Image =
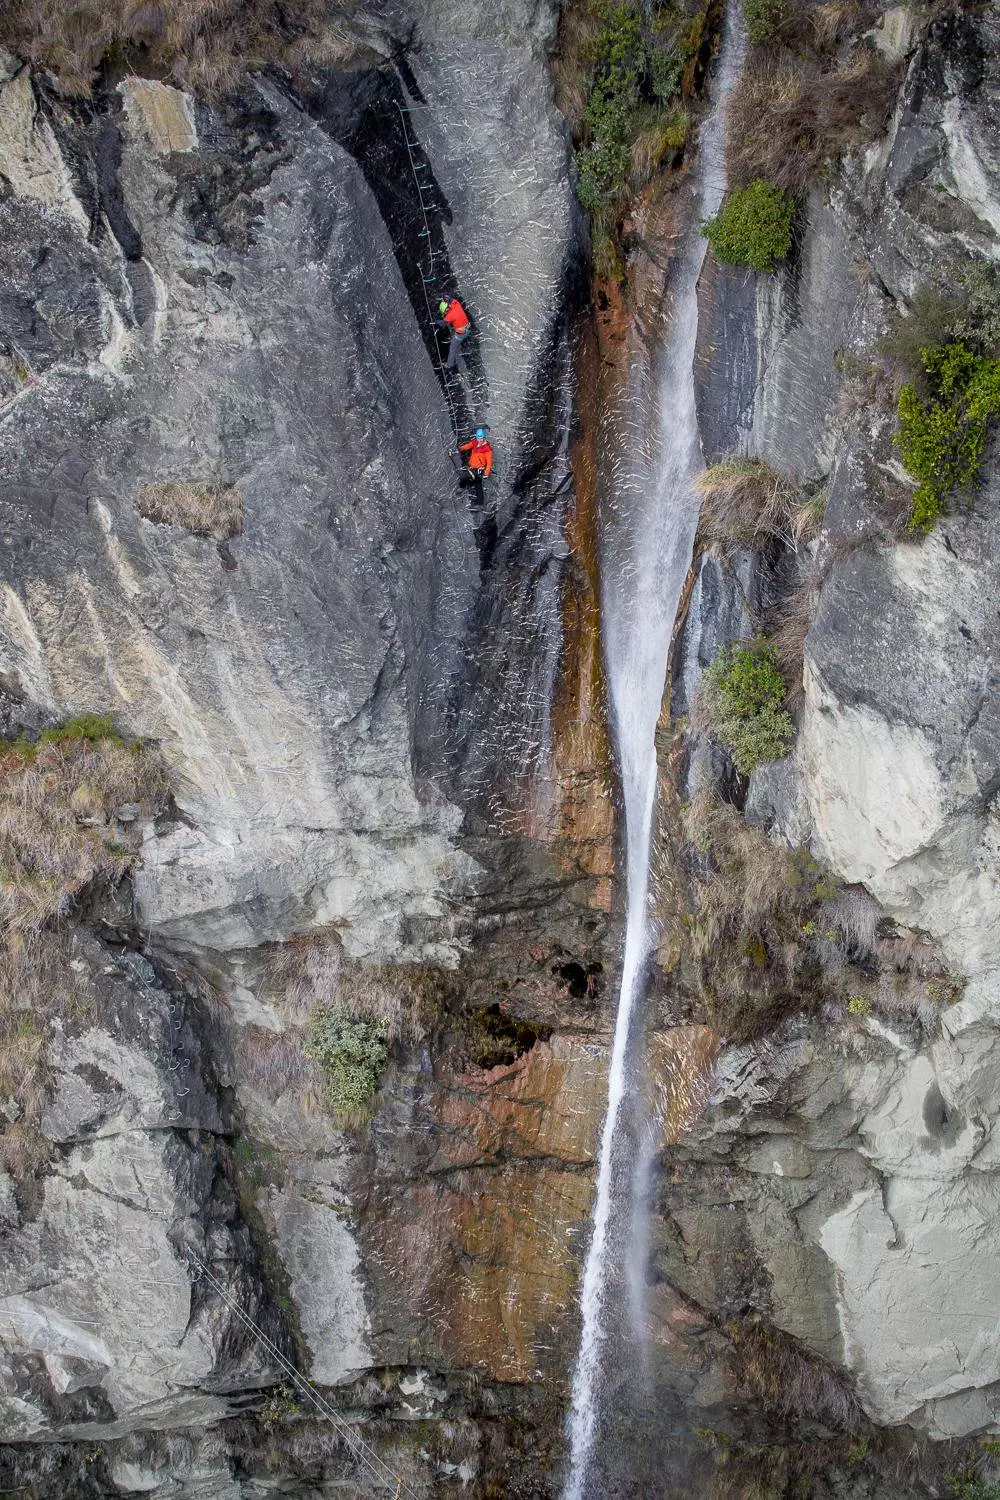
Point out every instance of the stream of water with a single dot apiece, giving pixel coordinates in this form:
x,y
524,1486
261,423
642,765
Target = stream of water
x,y
642,582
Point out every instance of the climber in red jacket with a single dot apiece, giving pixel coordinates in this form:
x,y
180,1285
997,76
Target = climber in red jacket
x,y
454,317
479,463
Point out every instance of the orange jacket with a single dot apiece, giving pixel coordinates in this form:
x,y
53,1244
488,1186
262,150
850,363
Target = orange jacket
x,y
480,456
457,316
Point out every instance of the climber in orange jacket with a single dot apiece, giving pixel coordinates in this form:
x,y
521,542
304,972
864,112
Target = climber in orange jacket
x,y
479,461
454,317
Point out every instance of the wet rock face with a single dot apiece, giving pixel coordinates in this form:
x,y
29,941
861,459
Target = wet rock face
x,y
857,1163
229,515
226,299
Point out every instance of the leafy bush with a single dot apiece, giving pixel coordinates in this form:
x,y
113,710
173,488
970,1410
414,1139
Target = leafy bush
x,y
763,19
631,121
941,438
753,227
743,694
353,1054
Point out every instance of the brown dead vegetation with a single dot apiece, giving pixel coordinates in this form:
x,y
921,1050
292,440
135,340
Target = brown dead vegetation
x,y
747,503
312,969
777,1373
791,113
206,45
775,932
209,510
61,841
786,630
744,501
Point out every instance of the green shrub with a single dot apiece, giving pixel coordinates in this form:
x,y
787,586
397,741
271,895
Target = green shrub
x,y
753,228
763,19
744,692
941,438
970,1485
631,120
353,1054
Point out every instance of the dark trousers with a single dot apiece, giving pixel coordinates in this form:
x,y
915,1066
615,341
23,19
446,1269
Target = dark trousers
x,y
455,350
473,478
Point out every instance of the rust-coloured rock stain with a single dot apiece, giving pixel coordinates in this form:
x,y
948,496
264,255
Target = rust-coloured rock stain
x,y
682,1065
482,1246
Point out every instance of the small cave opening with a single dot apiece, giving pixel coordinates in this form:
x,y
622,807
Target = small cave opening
x,y
496,1039
580,979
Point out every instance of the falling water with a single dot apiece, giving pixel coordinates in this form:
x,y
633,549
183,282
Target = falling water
x,y
642,587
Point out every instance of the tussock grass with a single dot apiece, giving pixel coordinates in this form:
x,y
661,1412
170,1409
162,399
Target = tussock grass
x,y
272,1063
209,510
789,116
777,1373
312,969
204,44
753,897
60,843
775,932
787,629
745,501
332,1004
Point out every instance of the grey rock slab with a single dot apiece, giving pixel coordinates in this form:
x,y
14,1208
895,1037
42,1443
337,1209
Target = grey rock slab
x,y
914,1331
97,1280
323,1263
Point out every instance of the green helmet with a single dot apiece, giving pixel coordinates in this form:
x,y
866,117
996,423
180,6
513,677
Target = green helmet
x,y
442,307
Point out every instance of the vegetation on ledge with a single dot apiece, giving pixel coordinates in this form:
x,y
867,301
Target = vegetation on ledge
x,y
813,88
623,77
743,695
946,348
203,44
942,438
774,932
352,1053
753,228
72,804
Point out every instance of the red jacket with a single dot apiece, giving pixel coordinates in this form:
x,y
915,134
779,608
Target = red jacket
x,y
457,316
480,456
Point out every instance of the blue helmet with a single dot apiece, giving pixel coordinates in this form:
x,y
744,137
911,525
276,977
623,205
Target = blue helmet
x,y
481,433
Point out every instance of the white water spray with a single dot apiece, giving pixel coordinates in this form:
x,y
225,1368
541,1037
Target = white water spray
x,y
642,587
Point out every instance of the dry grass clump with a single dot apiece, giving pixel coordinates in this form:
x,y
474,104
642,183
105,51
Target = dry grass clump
x,y
312,969
343,1018
745,501
749,883
775,932
206,45
272,1063
786,632
775,1372
748,934
789,117
209,510
60,841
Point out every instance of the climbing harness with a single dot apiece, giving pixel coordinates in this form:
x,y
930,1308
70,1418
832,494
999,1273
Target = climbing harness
x,y
363,1453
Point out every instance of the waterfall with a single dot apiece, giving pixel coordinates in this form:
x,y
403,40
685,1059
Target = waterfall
x,y
641,590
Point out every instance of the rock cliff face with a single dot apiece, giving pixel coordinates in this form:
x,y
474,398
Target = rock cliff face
x,y
860,1157
230,517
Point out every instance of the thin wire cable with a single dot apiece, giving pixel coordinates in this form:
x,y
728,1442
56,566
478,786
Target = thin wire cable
x,y
363,1453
